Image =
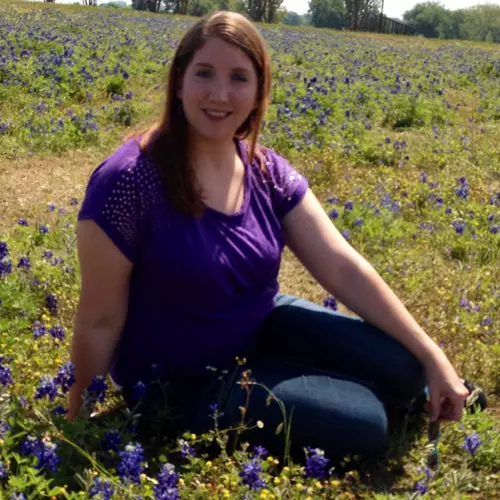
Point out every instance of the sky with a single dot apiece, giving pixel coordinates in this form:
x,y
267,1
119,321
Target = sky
x,y
394,8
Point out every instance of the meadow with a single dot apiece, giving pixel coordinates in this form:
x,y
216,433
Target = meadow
x,y
398,137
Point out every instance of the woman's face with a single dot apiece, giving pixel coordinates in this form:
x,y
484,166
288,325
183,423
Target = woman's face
x,y
218,90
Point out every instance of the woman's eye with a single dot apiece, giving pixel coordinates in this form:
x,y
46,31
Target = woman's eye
x,y
239,78
204,73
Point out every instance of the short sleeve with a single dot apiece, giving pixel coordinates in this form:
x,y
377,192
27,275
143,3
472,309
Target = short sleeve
x,y
113,200
288,185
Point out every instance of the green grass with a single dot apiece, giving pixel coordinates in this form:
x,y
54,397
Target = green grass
x,y
346,113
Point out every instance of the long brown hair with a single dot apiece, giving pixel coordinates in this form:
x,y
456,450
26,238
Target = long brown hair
x,y
166,142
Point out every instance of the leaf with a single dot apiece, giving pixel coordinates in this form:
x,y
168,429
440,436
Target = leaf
x,y
279,429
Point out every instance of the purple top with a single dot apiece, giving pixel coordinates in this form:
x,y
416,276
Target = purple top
x,y
200,288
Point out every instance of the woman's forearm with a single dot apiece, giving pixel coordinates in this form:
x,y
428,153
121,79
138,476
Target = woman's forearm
x,y
364,292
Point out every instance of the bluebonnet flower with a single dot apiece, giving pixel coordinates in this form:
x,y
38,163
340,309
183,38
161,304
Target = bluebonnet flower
x,y
333,214
447,210
17,496
463,189
494,229
98,388
57,332
4,428
486,321
5,375
185,449
260,451
472,443
38,329
138,391
44,229
421,487
51,303
59,410
102,486
358,222
47,388
65,376
22,222
250,475
130,467
346,235
349,205
47,254
213,411
330,303
112,440
29,445
4,250
73,201
333,199
166,489
316,463
47,457
51,207
3,471
459,227
24,263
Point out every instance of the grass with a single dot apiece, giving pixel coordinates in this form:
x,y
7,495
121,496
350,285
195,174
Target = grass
x,y
422,172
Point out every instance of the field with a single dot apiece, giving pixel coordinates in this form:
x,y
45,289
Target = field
x,y
398,137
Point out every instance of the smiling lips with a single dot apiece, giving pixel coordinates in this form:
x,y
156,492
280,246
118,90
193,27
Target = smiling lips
x,y
216,115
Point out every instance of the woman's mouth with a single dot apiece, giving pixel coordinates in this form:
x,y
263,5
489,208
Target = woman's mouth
x,y
216,116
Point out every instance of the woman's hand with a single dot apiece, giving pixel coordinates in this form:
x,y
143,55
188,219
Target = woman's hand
x,y
446,390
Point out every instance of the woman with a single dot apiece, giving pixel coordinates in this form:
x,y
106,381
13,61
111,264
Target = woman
x,y
180,237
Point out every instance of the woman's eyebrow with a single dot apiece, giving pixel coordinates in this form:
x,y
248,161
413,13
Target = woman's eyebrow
x,y
208,65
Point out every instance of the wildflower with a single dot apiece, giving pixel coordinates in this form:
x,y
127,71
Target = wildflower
x,y
463,190
4,428
17,496
51,303
494,229
47,254
130,467
4,250
57,332
186,450
59,410
23,222
24,263
330,303
250,475
51,207
213,411
358,222
29,445
166,489
38,329
333,214
459,227
3,472
5,375
112,440
47,388
102,486
421,487
349,205
316,463
260,451
65,376
98,388
346,235
138,391
333,199
47,458
472,443
44,229
73,202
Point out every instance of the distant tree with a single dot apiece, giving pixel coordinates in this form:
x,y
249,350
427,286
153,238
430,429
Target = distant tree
x,y
431,19
358,12
292,19
328,13
481,23
262,10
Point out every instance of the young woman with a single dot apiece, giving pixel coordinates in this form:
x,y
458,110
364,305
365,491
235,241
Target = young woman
x,y
180,238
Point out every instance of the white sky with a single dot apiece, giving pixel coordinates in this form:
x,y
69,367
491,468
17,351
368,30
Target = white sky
x,y
394,8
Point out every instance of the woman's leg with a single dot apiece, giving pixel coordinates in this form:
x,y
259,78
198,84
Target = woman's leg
x,y
301,332
339,416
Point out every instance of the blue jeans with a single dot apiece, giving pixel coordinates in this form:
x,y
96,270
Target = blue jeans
x,y
335,374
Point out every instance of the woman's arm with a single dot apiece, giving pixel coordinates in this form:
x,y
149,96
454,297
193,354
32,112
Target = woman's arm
x,y
102,308
349,277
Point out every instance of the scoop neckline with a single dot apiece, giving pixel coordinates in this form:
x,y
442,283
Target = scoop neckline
x,y
241,151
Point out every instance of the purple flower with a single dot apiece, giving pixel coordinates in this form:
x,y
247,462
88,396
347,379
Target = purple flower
x,y
346,235
38,329
51,207
260,451
59,410
29,445
472,443
166,489
486,321
358,222
102,486
98,388
423,177
47,388
213,411
65,376
316,463
459,227
333,214
24,263
349,205
51,303
130,466
47,254
185,449
4,250
333,199
47,458
494,229
463,189
3,471
73,201
44,229
250,475
112,440
138,391
57,332
4,428
330,303
421,487
5,375
23,222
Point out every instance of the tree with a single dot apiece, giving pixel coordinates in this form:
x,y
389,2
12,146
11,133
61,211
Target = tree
x,y
431,19
328,13
262,10
481,23
358,12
